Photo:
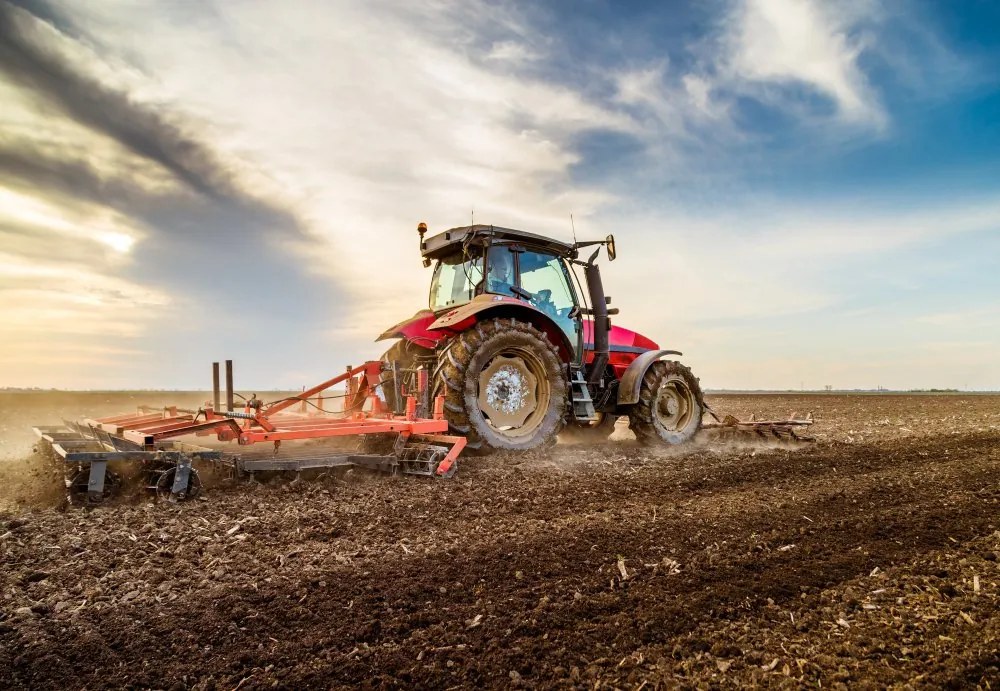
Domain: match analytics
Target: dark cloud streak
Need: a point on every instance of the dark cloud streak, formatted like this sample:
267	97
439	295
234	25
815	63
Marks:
232	263
27	167
26	61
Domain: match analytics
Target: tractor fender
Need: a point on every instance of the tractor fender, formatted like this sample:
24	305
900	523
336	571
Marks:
400	330
488	306
631	381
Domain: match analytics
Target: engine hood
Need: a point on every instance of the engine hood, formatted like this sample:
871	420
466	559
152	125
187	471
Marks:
620	339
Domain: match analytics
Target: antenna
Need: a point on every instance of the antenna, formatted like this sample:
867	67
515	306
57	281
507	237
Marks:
573	225
472	221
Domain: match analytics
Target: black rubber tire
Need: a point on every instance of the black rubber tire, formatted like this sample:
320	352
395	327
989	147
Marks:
646	425
457	376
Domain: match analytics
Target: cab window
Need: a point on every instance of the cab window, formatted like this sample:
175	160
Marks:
455	280
545	278
500	274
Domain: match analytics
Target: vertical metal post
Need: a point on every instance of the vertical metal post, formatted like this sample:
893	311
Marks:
95	481
182	474
423	386
229	386
397	389
216	396
349	391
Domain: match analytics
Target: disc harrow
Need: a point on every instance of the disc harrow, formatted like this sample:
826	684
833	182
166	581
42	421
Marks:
149	439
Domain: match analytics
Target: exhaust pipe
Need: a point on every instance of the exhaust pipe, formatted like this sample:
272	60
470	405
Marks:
602	322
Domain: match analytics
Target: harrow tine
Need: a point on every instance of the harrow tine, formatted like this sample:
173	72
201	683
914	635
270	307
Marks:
782	430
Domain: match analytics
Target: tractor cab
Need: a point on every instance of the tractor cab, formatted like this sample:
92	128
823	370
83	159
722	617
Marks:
507	264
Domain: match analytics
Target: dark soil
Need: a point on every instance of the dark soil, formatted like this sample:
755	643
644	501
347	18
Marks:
867	559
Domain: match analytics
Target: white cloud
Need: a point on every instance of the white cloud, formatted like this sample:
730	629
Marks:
365	142
805	42
769	51
514	52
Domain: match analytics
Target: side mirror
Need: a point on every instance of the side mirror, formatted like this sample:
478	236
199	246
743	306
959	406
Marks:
610	243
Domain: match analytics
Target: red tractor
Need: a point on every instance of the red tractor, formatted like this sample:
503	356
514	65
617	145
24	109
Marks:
521	349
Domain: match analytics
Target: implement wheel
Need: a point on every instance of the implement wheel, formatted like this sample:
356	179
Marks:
504	386
670	405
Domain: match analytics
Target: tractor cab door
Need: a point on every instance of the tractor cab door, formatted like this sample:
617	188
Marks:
544	281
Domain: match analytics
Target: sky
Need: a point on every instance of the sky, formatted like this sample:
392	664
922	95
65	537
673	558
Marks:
803	193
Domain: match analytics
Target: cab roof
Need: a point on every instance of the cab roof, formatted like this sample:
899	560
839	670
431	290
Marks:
446	243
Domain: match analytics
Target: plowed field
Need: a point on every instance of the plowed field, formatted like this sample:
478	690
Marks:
865	560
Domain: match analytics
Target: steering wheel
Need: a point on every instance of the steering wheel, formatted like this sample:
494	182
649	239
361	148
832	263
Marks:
543	301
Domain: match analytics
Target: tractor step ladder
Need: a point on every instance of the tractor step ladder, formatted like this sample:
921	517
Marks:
583	404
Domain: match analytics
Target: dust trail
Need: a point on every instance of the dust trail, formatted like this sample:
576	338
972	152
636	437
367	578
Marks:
33	481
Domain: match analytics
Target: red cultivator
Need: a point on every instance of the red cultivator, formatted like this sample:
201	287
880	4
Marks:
416	444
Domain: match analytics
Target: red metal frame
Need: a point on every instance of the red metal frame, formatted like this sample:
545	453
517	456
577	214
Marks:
271	423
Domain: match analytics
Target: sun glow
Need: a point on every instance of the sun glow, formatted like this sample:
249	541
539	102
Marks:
119	242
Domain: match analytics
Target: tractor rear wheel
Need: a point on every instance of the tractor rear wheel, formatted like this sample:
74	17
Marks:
504	386
670	405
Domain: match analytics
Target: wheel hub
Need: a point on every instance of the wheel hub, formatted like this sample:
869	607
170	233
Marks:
507	392
674	404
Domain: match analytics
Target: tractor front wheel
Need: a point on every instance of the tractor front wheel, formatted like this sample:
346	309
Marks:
504	386
670	405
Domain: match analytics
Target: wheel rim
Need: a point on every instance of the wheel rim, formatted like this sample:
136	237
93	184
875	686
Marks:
514	393
675	404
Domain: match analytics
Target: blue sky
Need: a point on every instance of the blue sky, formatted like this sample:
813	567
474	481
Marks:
804	193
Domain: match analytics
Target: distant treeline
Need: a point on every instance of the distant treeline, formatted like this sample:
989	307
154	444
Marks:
835	392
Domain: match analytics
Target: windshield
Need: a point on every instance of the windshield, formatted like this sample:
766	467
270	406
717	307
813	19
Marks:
455	280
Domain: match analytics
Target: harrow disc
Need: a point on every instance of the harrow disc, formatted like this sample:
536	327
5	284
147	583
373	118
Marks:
79	484
165	485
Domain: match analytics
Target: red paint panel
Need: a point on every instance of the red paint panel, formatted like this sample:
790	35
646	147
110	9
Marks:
619	336
415	329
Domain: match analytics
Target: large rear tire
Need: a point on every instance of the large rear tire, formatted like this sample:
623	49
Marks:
504	386
670	405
